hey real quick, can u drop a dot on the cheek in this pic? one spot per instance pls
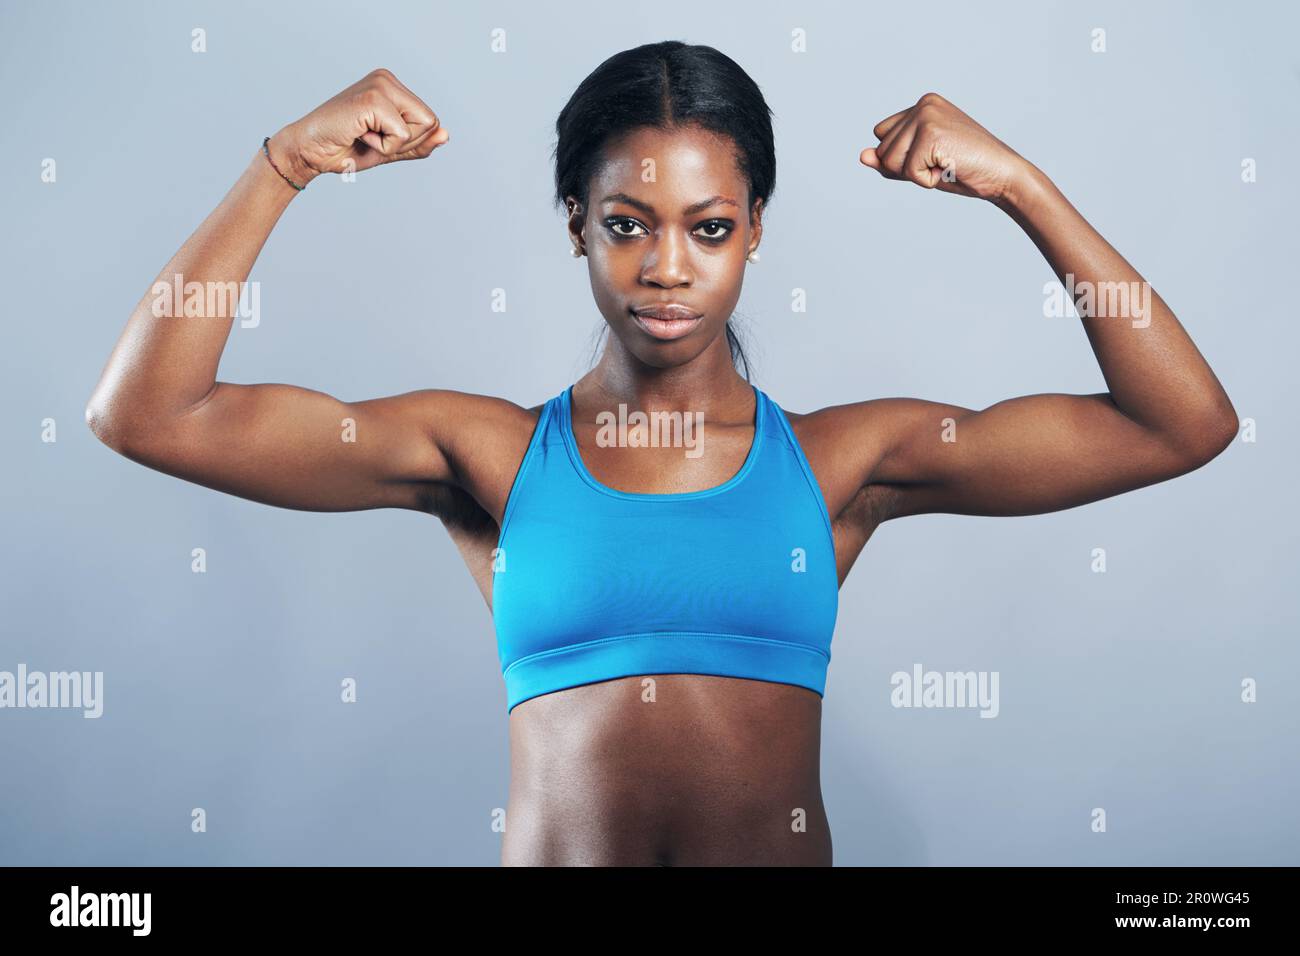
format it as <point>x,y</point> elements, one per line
<point>725,272</point>
<point>614,268</point>
<point>722,282</point>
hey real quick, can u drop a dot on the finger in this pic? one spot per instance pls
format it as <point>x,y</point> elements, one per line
<point>420,134</point>
<point>881,129</point>
<point>386,131</point>
<point>920,165</point>
<point>414,111</point>
<point>425,143</point>
<point>893,151</point>
<point>895,130</point>
<point>430,133</point>
<point>426,146</point>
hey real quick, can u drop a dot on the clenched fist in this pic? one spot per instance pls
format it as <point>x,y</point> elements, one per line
<point>374,121</point>
<point>936,145</point>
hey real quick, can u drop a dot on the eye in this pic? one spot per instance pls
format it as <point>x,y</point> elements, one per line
<point>613,226</point>
<point>718,229</point>
<point>722,224</point>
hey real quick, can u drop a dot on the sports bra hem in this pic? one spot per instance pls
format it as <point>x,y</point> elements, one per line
<point>586,645</point>
<point>666,652</point>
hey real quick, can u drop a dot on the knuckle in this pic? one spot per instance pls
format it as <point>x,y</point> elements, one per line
<point>927,116</point>
<point>382,73</point>
<point>930,99</point>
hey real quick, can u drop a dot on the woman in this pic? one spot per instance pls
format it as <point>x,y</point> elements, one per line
<point>663,603</point>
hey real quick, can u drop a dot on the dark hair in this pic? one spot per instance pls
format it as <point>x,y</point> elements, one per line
<point>666,85</point>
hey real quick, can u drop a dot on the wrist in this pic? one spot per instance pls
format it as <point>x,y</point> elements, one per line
<point>287,158</point>
<point>1025,189</point>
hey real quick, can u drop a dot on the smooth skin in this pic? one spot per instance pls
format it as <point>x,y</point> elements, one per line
<point>716,770</point>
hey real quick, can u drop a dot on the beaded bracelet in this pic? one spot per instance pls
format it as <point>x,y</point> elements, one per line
<point>267,153</point>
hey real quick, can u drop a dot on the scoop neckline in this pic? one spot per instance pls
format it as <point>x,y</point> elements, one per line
<point>571,445</point>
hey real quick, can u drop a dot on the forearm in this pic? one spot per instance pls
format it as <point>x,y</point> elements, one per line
<point>166,358</point>
<point>1155,373</point>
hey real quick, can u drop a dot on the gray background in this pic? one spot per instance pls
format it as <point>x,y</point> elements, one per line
<point>1118,690</point>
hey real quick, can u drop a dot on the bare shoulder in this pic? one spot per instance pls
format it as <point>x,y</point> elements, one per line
<point>846,444</point>
<point>451,412</point>
<point>482,437</point>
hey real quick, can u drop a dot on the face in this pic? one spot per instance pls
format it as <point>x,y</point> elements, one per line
<point>669,223</point>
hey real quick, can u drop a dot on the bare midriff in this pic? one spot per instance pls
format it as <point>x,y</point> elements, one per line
<point>667,770</point>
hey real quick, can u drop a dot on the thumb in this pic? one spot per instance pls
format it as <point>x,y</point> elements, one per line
<point>387,132</point>
<point>868,157</point>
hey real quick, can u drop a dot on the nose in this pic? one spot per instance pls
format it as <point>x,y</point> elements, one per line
<point>666,262</point>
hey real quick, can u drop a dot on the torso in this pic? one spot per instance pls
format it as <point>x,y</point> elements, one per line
<point>721,770</point>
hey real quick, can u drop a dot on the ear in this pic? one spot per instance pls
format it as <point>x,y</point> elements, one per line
<point>576,221</point>
<point>756,222</point>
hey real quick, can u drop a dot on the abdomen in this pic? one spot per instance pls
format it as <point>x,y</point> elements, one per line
<point>673,769</point>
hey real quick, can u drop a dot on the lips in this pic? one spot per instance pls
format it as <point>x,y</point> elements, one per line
<point>668,310</point>
<point>670,320</point>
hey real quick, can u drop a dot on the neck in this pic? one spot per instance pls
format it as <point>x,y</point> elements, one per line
<point>709,383</point>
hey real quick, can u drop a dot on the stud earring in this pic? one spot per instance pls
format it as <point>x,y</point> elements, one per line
<point>575,252</point>
<point>753,256</point>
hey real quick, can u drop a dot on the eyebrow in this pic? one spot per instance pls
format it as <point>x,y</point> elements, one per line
<point>690,210</point>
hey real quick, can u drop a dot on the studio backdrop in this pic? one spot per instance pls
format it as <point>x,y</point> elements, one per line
<point>1144,647</point>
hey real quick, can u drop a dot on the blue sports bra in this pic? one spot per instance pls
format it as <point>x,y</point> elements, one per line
<point>591,583</point>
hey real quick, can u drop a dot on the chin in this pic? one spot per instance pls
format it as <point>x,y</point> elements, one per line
<point>663,354</point>
<point>662,357</point>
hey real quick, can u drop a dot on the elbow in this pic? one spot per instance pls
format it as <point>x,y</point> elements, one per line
<point>1223,425</point>
<point>1210,436</point>
<point>103,425</point>
<point>132,421</point>
<point>107,422</point>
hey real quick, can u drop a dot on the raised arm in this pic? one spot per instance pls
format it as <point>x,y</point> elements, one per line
<point>159,403</point>
<point>1165,412</point>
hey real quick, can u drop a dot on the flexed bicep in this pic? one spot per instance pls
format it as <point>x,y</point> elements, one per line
<point>298,448</point>
<point>1026,455</point>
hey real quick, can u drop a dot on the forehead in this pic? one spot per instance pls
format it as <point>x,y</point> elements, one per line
<point>687,163</point>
